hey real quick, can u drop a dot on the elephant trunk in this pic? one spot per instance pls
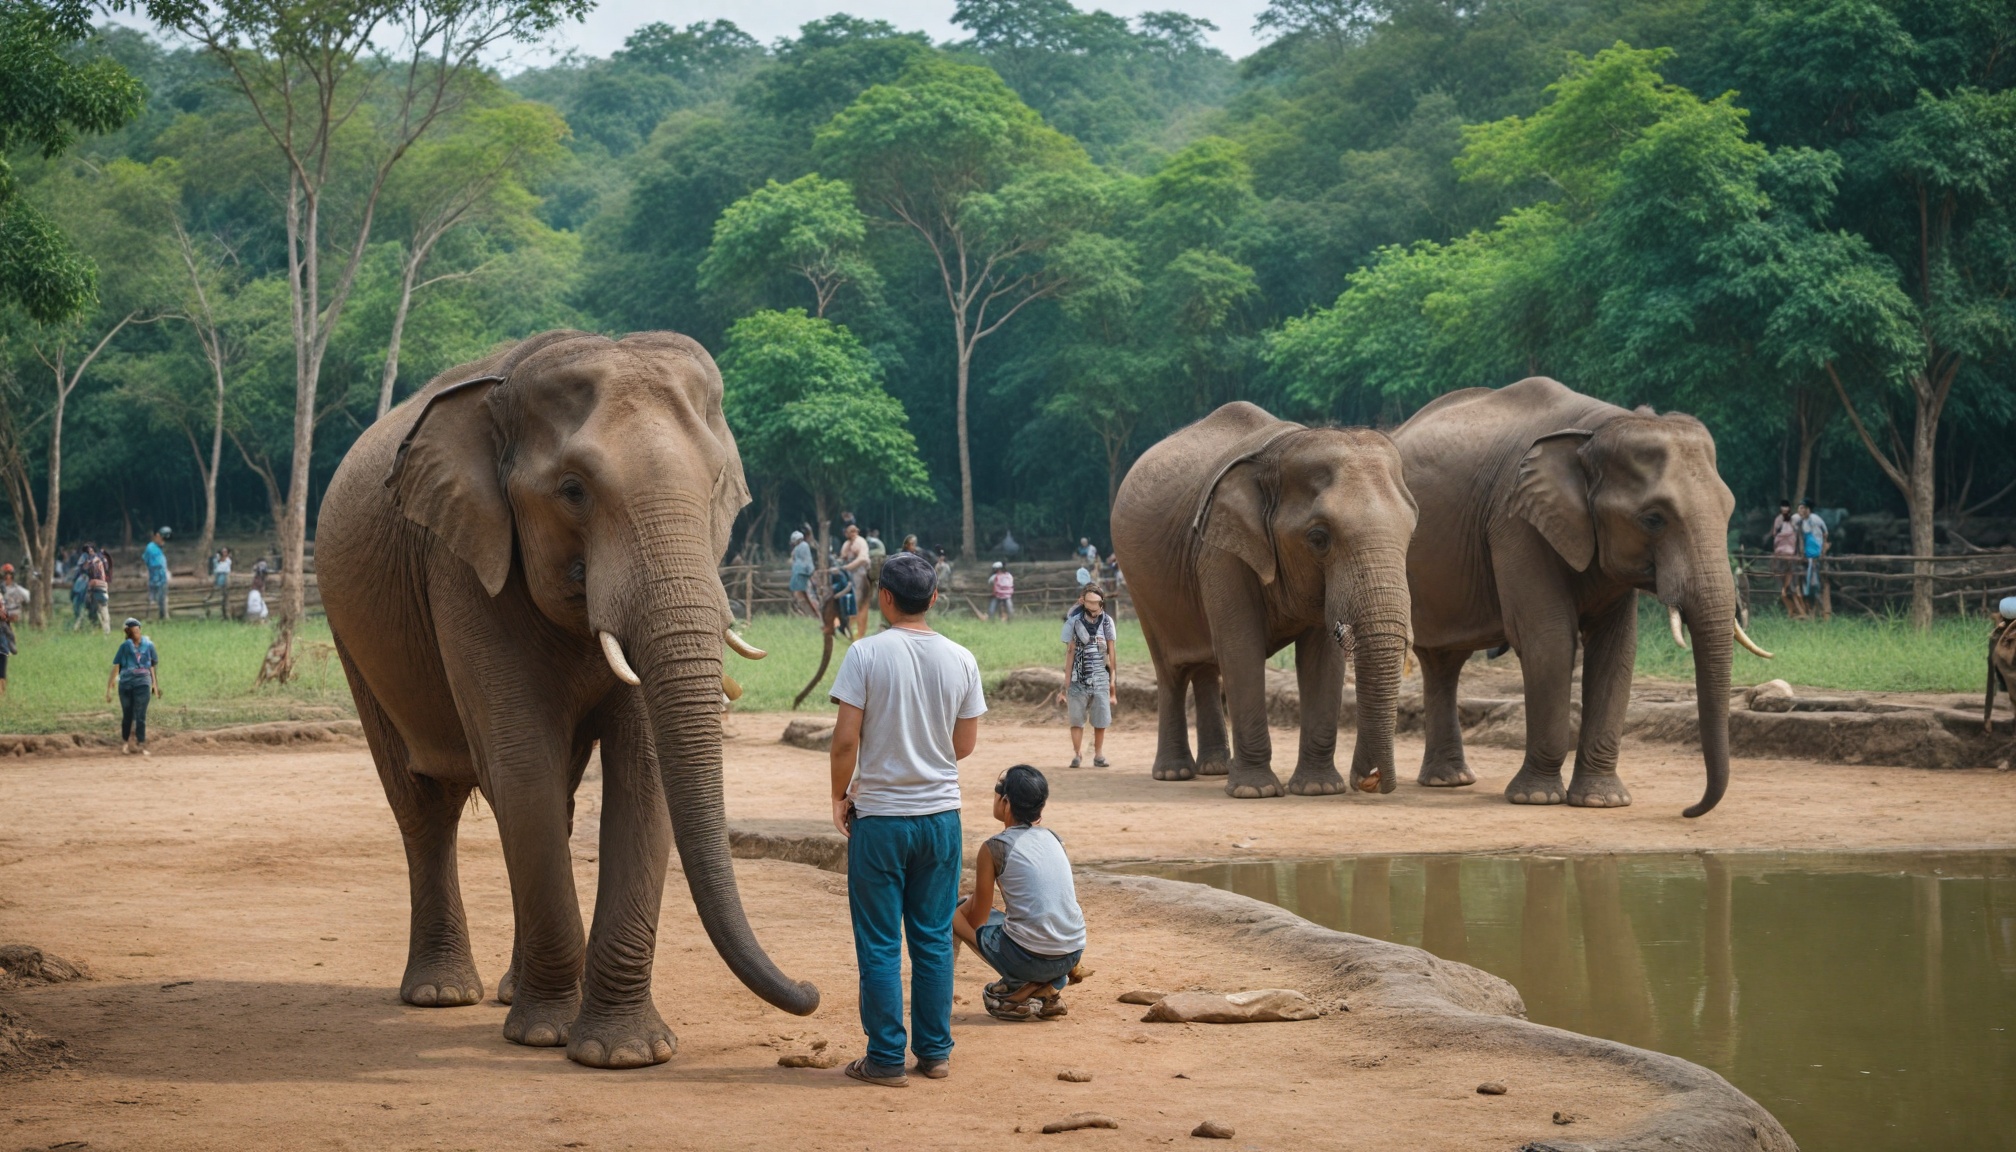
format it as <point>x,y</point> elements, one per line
<point>1707,601</point>
<point>672,633</point>
<point>1370,613</point>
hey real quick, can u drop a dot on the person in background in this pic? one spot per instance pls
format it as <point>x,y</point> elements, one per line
<point>854,558</point>
<point>1783,540</point>
<point>878,554</point>
<point>1088,553</point>
<point>801,575</point>
<point>941,572</point>
<point>80,586</point>
<point>1036,942</point>
<point>1089,667</point>
<point>136,670</point>
<point>13,609</point>
<point>255,600</point>
<point>220,579</point>
<point>910,704</point>
<point>910,545</point>
<point>96,568</point>
<point>156,559</point>
<point>1813,537</point>
<point>1002,585</point>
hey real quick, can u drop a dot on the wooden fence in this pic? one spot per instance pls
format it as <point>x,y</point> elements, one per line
<point>1881,585</point>
<point>1047,587</point>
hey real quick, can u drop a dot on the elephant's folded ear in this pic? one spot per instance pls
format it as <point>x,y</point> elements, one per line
<point>1237,520</point>
<point>445,479</point>
<point>1553,496</point>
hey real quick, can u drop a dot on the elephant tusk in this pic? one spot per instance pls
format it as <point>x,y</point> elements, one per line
<point>742,647</point>
<point>730,688</point>
<point>1743,638</point>
<point>612,651</point>
<point>1673,620</point>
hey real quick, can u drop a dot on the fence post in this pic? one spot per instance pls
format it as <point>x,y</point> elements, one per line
<point>749,595</point>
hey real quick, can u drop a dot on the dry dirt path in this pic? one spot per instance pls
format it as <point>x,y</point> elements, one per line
<point>245,917</point>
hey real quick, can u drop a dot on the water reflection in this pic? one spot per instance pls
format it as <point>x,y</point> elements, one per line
<point>1868,1001</point>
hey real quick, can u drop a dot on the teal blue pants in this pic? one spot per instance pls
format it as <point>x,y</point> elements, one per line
<point>903,883</point>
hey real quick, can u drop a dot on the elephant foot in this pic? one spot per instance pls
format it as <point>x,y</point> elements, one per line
<point>1252,783</point>
<point>445,983</point>
<point>1175,770</point>
<point>508,986</point>
<point>1445,774</point>
<point>541,1024</point>
<point>634,1039</point>
<point>1532,786</point>
<point>1324,781</point>
<point>1214,764</point>
<point>1598,790</point>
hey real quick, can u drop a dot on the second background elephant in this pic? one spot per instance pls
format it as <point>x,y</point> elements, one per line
<point>1243,534</point>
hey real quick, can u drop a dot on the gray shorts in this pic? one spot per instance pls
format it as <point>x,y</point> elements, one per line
<point>1082,698</point>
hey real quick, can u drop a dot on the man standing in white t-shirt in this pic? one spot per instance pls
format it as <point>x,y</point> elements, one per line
<point>910,707</point>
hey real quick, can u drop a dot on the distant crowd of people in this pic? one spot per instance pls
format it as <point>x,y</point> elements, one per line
<point>1797,539</point>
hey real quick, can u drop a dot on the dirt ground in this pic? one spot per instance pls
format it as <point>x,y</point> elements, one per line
<point>245,919</point>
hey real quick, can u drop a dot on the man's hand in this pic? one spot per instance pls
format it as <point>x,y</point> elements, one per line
<point>841,808</point>
<point>108,695</point>
<point>1113,696</point>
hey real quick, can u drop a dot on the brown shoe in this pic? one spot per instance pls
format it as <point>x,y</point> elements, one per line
<point>937,1069</point>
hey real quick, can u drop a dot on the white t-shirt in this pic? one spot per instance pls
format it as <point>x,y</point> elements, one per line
<point>911,687</point>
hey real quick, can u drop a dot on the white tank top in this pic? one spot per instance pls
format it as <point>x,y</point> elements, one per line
<point>1041,902</point>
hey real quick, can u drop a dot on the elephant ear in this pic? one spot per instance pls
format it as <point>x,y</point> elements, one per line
<point>1553,495</point>
<point>445,479</point>
<point>1237,521</point>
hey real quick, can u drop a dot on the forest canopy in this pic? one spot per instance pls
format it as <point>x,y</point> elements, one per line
<point>1021,256</point>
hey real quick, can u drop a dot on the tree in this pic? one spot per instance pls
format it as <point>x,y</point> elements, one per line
<point>806,402</point>
<point>343,92</point>
<point>809,228</point>
<point>997,197</point>
<point>47,98</point>
<point>476,172</point>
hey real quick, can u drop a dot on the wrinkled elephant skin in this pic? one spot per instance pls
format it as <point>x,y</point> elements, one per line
<point>475,549</point>
<point>1544,513</point>
<point>1243,534</point>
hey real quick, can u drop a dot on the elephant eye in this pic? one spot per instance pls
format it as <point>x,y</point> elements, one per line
<point>572,492</point>
<point>1319,539</point>
<point>1652,521</point>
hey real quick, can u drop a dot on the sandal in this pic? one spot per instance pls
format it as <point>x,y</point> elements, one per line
<point>1100,762</point>
<point>1074,761</point>
<point>874,1074</point>
<point>1051,1007</point>
<point>1016,1004</point>
<point>937,1069</point>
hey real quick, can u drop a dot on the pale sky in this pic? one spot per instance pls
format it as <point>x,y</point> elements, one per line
<point>767,20</point>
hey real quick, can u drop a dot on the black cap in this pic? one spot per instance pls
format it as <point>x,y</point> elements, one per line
<point>909,576</point>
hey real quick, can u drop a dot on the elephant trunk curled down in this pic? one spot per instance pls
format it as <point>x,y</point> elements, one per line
<point>678,622</point>
<point>1375,604</point>
<point>1694,582</point>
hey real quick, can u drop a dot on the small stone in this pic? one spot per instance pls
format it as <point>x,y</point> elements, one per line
<point>1211,1131</point>
<point>1142,996</point>
<point>809,1060</point>
<point>1077,1120</point>
<point>1075,1076</point>
<point>1565,1117</point>
<point>1490,1088</point>
<point>818,1045</point>
<point>2002,767</point>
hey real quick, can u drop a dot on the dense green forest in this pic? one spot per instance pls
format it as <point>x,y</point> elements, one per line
<point>959,286</point>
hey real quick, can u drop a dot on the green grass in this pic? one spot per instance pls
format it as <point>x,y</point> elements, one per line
<point>57,681</point>
<point>1848,652</point>
<point>793,644</point>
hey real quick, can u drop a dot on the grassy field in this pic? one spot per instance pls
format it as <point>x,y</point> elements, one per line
<point>207,667</point>
<point>57,681</point>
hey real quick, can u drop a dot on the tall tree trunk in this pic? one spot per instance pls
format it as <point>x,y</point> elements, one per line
<point>210,474</point>
<point>968,545</point>
<point>1920,500</point>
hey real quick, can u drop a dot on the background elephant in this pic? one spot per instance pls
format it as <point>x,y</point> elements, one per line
<point>488,553</point>
<point>1243,534</point>
<point>1544,513</point>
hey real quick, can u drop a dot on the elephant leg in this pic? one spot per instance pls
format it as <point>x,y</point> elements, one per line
<point>508,986</point>
<point>1547,657</point>
<point>1607,665</point>
<point>1242,661</point>
<point>1442,761</point>
<point>528,793</point>
<point>1319,678</point>
<point>440,969</point>
<point>619,1026</point>
<point>1214,745</point>
<point>1172,740</point>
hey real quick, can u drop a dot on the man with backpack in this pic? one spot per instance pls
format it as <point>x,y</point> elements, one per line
<point>1089,692</point>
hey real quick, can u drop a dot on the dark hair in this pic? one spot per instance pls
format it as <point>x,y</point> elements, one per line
<point>1027,791</point>
<point>910,581</point>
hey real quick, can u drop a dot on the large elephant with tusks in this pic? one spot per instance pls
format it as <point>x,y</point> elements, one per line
<point>517,563</point>
<point>1544,513</point>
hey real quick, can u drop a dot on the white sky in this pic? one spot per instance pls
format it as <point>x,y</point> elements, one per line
<point>767,20</point>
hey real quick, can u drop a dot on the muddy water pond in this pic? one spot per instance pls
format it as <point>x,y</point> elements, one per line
<point>1869,1001</point>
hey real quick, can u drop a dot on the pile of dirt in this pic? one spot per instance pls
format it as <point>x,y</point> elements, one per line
<point>26,964</point>
<point>22,1049</point>
<point>275,734</point>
